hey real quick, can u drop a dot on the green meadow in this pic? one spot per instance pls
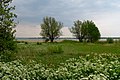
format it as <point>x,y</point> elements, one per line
<point>66,60</point>
<point>58,52</point>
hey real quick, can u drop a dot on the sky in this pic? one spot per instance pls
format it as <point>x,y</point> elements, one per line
<point>104,13</point>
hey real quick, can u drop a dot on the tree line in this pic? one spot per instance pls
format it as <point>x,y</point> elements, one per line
<point>82,30</point>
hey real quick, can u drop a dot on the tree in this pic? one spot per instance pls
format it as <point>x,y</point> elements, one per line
<point>85,30</point>
<point>7,24</point>
<point>90,31</point>
<point>76,30</point>
<point>50,28</point>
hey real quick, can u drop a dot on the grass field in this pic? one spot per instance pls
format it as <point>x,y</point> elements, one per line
<point>67,60</point>
<point>55,53</point>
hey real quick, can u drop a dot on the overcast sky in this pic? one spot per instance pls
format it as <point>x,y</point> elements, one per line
<point>105,14</point>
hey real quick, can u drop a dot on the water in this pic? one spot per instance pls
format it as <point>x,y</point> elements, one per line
<point>35,39</point>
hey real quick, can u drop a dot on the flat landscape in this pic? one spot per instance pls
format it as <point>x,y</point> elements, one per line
<point>64,60</point>
<point>55,53</point>
<point>59,40</point>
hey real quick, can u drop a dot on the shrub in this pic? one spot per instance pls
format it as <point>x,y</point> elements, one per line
<point>46,40</point>
<point>110,40</point>
<point>26,42</point>
<point>39,43</point>
<point>18,41</point>
<point>6,56</point>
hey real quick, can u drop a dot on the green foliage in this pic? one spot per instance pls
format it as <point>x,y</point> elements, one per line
<point>39,43</point>
<point>18,41</point>
<point>99,67</point>
<point>86,31</point>
<point>7,56</point>
<point>76,30</point>
<point>22,42</point>
<point>50,28</point>
<point>7,23</point>
<point>26,42</point>
<point>54,49</point>
<point>110,40</point>
<point>90,31</point>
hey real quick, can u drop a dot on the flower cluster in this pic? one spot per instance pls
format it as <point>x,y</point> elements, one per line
<point>97,67</point>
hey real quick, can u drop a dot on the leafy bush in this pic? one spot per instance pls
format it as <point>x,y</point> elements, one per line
<point>18,41</point>
<point>54,49</point>
<point>26,42</point>
<point>6,56</point>
<point>39,43</point>
<point>110,40</point>
<point>100,67</point>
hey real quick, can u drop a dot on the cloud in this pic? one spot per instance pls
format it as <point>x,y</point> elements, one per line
<point>105,13</point>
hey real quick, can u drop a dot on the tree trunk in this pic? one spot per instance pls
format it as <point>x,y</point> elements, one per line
<point>51,39</point>
<point>80,40</point>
